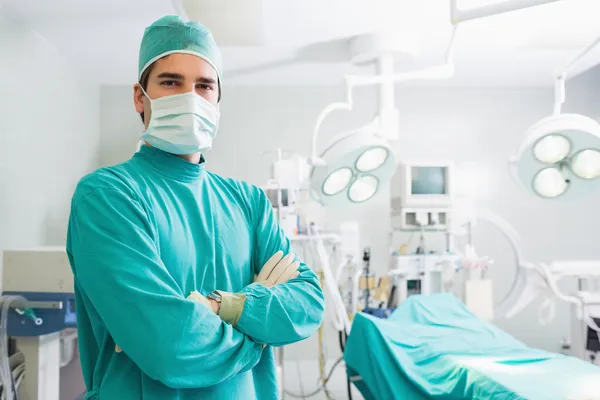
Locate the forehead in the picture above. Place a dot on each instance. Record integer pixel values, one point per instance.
(188, 65)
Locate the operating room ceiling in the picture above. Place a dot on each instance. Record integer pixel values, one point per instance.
(523, 48)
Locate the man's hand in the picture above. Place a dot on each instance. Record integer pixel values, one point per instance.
(214, 306)
(278, 269)
(210, 304)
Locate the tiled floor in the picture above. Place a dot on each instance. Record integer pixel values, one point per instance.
(301, 376)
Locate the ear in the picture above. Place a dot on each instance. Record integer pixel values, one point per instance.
(138, 98)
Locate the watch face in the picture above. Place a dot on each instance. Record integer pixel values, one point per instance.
(215, 296)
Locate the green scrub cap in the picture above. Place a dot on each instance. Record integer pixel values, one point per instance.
(171, 34)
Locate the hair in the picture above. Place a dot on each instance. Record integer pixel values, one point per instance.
(144, 84)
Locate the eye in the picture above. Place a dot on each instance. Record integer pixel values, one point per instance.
(204, 86)
(169, 83)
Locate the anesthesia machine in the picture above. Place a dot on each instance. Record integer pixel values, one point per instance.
(38, 307)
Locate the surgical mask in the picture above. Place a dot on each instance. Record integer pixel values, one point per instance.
(182, 123)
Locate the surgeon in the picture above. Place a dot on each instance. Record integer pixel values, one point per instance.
(184, 280)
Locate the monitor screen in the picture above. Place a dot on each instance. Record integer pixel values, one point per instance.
(429, 180)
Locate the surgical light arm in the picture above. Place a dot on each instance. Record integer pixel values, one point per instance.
(347, 106)
(387, 78)
(442, 71)
(561, 76)
(446, 70)
(491, 10)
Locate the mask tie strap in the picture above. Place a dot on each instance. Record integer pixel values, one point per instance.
(144, 92)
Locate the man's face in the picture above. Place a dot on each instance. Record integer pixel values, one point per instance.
(177, 74)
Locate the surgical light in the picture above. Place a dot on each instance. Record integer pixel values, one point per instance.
(353, 168)
(337, 181)
(586, 164)
(552, 149)
(550, 183)
(560, 156)
(363, 189)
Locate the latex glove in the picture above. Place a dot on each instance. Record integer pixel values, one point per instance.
(196, 296)
(278, 269)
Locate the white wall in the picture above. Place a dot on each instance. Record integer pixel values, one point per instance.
(49, 132)
(478, 128)
(120, 125)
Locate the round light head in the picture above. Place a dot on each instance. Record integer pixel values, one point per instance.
(337, 181)
(552, 161)
(551, 149)
(357, 165)
(586, 164)
(549, 183)
(372, 159)
(363, 188)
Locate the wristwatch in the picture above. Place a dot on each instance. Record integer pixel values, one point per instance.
(216, 296)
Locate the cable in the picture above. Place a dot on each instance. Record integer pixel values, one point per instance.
(349, 387)
(348, 383)
(343, 338)
(324, 350)
(300, 379)
(14, 386)
(342, 342)
(322, 359)
(7, 378)
(321, 387)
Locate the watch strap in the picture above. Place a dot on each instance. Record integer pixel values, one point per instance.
(232, 305)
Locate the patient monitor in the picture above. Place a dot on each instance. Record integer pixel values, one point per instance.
(422, 194)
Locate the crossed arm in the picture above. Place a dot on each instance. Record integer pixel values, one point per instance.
(283, 313)
(285, 304)
(117, 270)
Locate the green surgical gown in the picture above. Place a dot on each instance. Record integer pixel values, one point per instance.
(143, 235)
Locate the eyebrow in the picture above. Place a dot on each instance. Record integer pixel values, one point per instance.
(206, 80)
(172, 75)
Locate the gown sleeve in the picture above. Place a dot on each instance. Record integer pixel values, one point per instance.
(285, 313)
(176, 341)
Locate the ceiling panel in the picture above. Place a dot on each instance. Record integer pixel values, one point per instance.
(101, 37)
